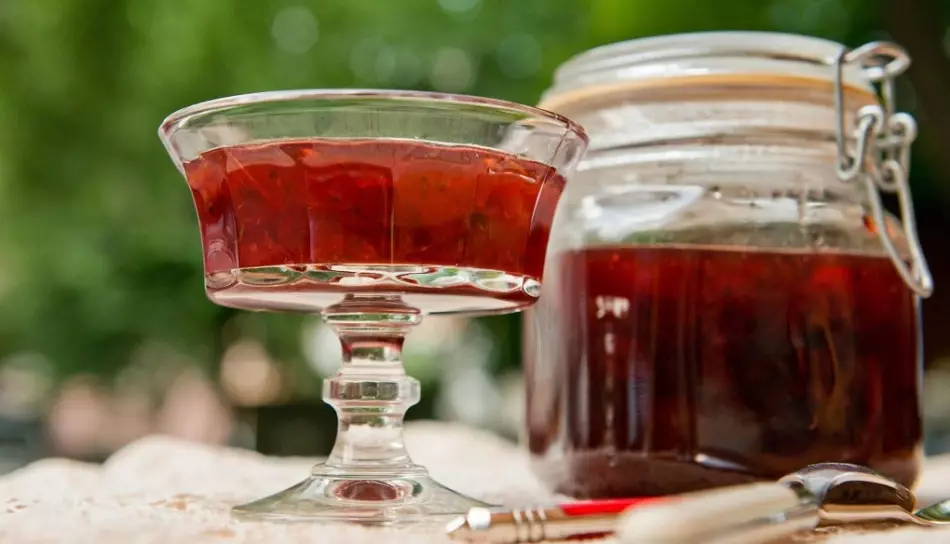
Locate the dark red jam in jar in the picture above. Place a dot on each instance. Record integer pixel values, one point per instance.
(719, 305)
(690, 367)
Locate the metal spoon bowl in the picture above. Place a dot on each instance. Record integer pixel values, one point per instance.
(848, 493)
(854, 494)
(935, 514)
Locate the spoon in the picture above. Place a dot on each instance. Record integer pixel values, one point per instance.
(935, 514)
(844, 493)
(817, 496)
(855, 494)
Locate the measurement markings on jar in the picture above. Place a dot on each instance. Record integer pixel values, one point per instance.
(609, 309)
(616, 307)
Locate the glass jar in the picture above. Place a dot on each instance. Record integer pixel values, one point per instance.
(725, 298)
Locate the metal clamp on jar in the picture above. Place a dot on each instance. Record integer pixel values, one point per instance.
(725, 297)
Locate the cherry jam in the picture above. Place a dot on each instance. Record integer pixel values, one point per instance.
(660, 370)
(291, 225)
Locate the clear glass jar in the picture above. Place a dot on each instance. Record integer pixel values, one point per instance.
(720, 303)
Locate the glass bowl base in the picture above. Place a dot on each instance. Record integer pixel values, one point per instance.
(410, 498)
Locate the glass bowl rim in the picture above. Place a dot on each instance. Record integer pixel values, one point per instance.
(176, 119)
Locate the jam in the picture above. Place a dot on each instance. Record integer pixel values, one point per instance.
(664, 369)
(285, 223)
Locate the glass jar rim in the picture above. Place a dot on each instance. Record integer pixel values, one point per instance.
(698, 54)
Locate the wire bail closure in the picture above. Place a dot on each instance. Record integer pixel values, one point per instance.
(881, 157)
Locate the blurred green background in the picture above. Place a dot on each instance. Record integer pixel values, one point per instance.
(105, 333)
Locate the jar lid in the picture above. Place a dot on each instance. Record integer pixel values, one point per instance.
(624, 64)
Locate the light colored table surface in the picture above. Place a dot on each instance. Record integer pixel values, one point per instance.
(160, 490)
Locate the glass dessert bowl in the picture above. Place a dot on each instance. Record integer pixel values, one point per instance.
(371, 208)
